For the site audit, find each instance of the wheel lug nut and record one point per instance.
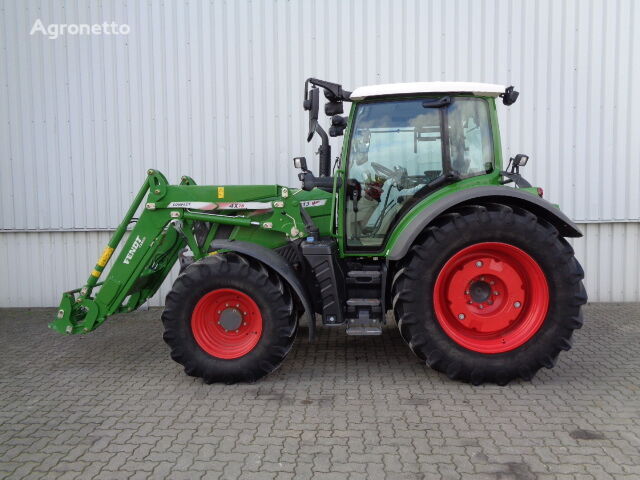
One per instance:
(470, 302)
(481, 307)
(467, 292)
(482, 279)
(461, 316)
(479, 264)
(517, 304)
(491, 282)
(496, 293)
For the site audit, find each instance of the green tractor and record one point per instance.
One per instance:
(418, 215)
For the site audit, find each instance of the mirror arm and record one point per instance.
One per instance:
(310, 181)
(324, 152)
(336, 90)
(516, 178)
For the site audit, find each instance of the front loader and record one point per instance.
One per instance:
(419, 217)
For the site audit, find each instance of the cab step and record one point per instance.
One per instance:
(363, 302)
(364, 277)
(358, 331)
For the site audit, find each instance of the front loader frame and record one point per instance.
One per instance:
(165, 226)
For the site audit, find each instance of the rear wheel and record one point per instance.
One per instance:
(491, 297)
(229, 319)
(490, 294)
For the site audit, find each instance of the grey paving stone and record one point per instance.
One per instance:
(113, 405)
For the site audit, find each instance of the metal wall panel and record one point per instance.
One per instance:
(608, 253)
(38, 267)
(213, 89)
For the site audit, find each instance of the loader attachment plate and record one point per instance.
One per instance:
(74, 317)
(80, 313)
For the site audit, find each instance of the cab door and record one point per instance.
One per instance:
(397, 152)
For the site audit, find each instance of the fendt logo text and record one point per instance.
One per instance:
(135, 246)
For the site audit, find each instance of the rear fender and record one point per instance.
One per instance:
(480, 195)
(274, 261)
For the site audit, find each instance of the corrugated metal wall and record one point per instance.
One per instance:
(213, 89)
(37, 267)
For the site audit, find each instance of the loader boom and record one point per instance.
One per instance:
(166, 226)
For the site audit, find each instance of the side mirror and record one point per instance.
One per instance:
(520, 160)
(509, 96)
(301, 163)
(312, 104)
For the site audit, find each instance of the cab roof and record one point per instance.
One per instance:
(388, 89)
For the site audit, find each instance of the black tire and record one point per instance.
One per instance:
(264, 287)
(413, 291)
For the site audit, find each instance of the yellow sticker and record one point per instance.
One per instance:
(106, 255)
(95, 273)
(220, 192)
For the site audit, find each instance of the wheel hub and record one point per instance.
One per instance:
(480, 291)
(230, 319)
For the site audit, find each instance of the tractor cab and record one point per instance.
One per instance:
(405, 141)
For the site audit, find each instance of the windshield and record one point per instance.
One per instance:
(399, 148)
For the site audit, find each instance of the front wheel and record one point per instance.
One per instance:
(229, 319)
(492, 293)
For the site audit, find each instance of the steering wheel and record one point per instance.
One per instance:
(399, 176)
(384, 171)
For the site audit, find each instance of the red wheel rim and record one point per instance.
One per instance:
(491, 297)
(226, 323)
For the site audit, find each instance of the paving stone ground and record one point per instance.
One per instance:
(112, 404)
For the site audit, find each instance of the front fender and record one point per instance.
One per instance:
(274, 261)
(402, 240)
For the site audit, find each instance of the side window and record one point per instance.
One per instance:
(470, 141)
(396, 150)
(398, 147)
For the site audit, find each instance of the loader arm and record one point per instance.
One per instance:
(165, 226)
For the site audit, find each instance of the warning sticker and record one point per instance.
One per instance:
(312, 203)
(244, 205)
(106, 255)
(221, 205)
(220, 192)
(194, 205)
